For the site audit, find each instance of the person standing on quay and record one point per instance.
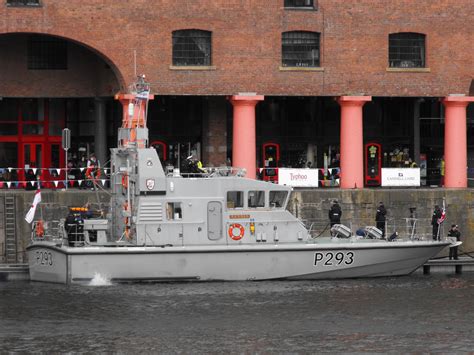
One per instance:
(380, 218)
(335, 213)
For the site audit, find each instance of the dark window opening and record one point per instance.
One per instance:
(191, 47)
(299, 3)
(406, 50)
(23, 3)
(256, 199)
(300, 49)
(235, 199)
(47, 53)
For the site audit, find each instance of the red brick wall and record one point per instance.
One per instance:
(247, 46)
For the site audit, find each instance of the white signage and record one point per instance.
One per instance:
(400, 176)
(298, 177)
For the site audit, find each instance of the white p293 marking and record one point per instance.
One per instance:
(333, 259)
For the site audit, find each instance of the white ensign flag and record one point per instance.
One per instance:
(31, 213)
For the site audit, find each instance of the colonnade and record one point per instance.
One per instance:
(351, 141)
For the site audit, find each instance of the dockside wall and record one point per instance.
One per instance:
(309, 205)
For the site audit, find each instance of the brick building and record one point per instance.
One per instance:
(301, 80)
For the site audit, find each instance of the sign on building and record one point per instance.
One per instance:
(298, 177)
(400, 177)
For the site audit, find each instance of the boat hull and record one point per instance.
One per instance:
(50, 263)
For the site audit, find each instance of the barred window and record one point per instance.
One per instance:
(300, 49)
(46, 53)
(299, 3)
(191, 47)
(23, 3)
(406, 50)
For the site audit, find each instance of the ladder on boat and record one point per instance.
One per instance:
(10, 230)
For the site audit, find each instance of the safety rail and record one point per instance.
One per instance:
(407, 228)
(47, 231)
(208, 172)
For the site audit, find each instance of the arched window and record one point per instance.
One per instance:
(406, 50)
(191, 48)
(300, 49)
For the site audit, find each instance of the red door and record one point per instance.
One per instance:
(31, 160)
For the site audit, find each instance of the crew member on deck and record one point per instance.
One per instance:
(335, 213)
(434, 221)
(380, 218)
(454, 233)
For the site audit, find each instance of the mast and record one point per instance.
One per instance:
(132, 136)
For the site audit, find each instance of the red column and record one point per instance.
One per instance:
(352, 147)
(243, 140)
(455, 140)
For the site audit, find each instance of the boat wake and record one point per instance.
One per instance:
(99, 280)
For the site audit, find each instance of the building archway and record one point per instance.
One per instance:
(50, 83)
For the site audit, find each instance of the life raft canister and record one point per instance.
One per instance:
(240, 228)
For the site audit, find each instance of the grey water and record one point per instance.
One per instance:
(417, 313)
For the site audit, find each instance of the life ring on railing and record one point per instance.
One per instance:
(240, 228)
(39, 229)
(125, 181)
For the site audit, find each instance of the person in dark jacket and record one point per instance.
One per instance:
(434, 221)
(380, 218)
(335, 213)
(454, 233)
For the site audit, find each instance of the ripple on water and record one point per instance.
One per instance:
(405, 314)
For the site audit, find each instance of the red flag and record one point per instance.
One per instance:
(443, 214)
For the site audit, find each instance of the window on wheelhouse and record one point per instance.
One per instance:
(299, 4)
(192, 48)
(300, 49)
(406, 50)
(256, 199)
(278, 198)
(174, 211)
(235, 199)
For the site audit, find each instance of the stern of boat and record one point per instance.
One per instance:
(47, 263)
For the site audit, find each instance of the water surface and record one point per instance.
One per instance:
(417, 313)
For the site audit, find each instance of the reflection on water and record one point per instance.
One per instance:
(407, 314)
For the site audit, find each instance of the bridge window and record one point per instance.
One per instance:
(278, 198)
(23, 3)
(191, 48)
(406, 50)
(46, 53)
(300, 49)
(256, 199)
(235, 199)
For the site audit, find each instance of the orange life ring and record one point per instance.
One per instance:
(39, 230)
(241, 231)
(125, 181)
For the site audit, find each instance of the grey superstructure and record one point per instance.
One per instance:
(218, 226)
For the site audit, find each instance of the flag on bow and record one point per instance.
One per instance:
(443, 214)
(31, 213)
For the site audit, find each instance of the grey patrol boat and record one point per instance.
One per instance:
(220, 226)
